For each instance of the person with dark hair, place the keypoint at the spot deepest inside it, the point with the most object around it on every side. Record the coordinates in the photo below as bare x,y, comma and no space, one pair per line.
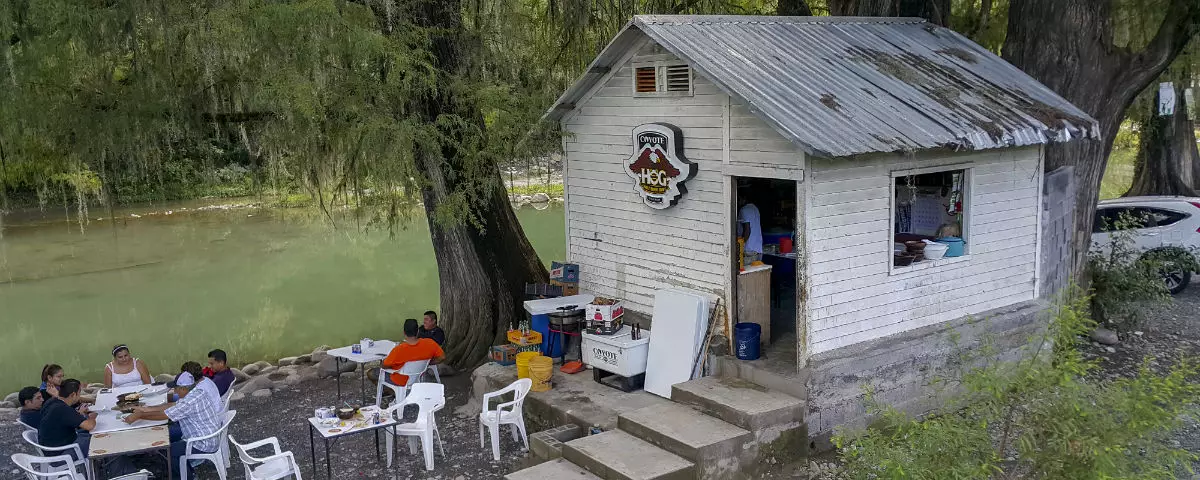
413,348
60,421
197,413
31,399
431,330
125,370
218,370
52,377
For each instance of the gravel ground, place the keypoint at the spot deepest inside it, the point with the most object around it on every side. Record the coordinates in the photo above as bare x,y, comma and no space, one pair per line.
283,415
1168,334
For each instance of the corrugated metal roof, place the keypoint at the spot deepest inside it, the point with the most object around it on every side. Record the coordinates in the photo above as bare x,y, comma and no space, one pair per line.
841,86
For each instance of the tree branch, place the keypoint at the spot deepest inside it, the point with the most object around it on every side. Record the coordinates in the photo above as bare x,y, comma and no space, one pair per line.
1180,24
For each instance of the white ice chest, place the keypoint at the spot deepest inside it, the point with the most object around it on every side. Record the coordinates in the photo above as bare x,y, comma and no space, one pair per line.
617,353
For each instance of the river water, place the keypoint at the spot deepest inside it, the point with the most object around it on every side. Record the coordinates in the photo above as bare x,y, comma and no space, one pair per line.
177,280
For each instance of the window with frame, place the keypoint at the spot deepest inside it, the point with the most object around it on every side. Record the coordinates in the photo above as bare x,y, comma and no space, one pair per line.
930,211
1111,219
662,79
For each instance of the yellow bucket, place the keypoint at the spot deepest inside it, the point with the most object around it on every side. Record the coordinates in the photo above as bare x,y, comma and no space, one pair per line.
540,371
523,359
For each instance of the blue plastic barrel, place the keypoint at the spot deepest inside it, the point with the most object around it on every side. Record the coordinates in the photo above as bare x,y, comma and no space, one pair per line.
541,324
745,340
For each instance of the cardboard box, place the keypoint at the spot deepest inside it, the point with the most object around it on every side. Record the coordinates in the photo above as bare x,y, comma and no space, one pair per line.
604,319
504,354
568,289
564,272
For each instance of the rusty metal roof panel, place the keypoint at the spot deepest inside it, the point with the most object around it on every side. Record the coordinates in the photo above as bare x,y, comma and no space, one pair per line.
841,86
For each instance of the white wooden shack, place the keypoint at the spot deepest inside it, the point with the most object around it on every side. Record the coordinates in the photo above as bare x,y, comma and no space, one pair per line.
885,129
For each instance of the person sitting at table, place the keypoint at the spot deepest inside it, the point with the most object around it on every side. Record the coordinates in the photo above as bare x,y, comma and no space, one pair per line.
431,330
197,413
413,348
31,399
52,377
125,370
219,371
61,422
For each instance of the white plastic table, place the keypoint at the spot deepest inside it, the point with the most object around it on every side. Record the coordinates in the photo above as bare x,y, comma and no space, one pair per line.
105,446
109,420
361,423
375,353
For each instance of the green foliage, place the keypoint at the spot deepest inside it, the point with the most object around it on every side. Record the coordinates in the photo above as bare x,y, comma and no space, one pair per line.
1042,417
1124,279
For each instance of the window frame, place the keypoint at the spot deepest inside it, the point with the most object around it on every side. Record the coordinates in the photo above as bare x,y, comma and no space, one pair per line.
660,79
968,170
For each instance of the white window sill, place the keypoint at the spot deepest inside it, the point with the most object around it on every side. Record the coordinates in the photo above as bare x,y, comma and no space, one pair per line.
927,264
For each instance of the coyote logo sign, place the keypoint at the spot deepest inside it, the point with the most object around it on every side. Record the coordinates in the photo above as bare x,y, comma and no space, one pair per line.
657,166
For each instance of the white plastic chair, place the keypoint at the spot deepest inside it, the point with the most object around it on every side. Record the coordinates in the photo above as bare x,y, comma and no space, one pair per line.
61,467
24,425
139,475
278,465
225,407
31,437
217,458
508,413
437,377
414,370
429,398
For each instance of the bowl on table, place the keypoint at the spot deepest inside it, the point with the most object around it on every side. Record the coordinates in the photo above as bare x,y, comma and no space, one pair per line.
346,413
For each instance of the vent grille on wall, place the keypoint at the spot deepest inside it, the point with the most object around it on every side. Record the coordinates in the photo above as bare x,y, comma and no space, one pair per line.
679,78
646,81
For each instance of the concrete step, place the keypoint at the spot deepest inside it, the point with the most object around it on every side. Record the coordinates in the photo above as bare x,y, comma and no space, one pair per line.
715,446
747,405
555,469
616,455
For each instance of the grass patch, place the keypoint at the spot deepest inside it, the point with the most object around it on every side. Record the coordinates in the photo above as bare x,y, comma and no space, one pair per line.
1118,176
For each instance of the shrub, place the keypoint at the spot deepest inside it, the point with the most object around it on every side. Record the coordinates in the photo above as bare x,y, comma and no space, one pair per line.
1042,417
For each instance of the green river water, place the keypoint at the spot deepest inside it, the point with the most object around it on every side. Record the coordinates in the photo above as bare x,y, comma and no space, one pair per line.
177,280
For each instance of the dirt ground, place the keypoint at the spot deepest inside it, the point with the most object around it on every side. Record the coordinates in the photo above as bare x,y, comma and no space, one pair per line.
283,415
1171,331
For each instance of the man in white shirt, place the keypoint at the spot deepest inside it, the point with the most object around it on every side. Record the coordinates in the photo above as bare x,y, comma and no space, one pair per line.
748,217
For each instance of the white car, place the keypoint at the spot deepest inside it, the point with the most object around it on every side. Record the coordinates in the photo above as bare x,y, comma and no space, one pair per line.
1161,224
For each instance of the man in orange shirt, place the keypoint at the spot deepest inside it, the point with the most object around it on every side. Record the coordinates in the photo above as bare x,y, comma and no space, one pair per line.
412,349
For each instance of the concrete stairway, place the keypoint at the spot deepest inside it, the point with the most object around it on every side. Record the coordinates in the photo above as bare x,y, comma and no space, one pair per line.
715,429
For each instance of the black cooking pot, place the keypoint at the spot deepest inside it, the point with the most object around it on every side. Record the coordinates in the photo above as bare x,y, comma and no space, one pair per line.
568,315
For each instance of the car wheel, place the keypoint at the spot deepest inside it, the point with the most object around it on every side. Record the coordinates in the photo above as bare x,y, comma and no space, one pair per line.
1176,279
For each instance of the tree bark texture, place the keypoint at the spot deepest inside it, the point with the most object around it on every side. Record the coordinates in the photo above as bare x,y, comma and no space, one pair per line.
936,11
1166,145
793,8
1067,45
482,269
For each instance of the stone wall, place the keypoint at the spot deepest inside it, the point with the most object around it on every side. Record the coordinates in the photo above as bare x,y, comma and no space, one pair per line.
1058,227
907,370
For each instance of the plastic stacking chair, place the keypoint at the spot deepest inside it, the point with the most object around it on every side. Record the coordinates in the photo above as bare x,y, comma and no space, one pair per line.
61,467
26,426
278,464
217,458
77,457
139,475
429,398
414,370
508,413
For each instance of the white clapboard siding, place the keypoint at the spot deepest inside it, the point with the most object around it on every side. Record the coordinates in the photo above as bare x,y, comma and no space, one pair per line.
624,248
855,296
753,142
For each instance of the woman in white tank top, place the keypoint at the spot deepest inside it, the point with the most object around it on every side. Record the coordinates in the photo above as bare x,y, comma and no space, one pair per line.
125,370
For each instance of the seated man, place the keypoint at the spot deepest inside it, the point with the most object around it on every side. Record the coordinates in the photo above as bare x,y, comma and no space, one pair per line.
431,330
413,348
198,413
60,421
219,371
31,399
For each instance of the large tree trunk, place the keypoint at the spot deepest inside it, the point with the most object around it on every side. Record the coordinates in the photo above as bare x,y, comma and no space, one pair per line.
1167,145
793,8
482,268
1067,45
936,11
